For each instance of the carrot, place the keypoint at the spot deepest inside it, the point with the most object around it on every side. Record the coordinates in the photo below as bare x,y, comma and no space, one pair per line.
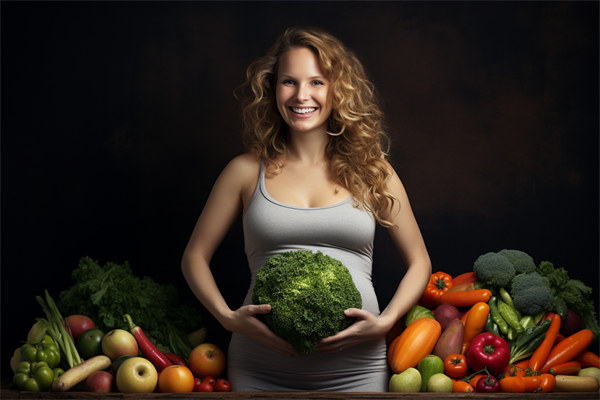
539,356
467,277
568,349
465,298
567,368
588,359
475,322
158,359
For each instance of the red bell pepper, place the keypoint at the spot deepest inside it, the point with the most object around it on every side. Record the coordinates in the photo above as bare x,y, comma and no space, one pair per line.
488,351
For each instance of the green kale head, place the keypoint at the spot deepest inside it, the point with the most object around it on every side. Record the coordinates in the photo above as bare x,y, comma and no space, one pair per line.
308,293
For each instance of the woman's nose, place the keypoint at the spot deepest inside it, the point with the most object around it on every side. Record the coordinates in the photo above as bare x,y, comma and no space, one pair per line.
303,93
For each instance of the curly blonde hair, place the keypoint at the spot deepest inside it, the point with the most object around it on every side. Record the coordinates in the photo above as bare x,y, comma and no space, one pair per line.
358,144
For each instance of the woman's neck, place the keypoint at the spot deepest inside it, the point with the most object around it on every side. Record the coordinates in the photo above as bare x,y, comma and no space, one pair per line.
307,147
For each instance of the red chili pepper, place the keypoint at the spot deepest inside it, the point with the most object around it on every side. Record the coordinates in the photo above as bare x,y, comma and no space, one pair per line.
148,349
488,351
175,359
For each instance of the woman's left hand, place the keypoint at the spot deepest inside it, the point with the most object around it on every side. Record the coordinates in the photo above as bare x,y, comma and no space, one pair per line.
366,327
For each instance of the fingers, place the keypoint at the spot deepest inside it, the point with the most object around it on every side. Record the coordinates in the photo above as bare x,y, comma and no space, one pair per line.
254,309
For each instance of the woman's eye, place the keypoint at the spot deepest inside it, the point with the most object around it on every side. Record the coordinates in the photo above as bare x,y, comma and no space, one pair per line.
288,82
317,83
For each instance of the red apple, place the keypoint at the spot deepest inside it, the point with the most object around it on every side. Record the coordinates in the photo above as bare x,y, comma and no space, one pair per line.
119,342
77,324
100,382
137,375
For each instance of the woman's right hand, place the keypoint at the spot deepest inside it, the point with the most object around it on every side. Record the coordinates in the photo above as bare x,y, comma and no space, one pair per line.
244,321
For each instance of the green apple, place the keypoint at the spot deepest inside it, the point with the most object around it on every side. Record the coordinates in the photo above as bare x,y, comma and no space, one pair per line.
429,366
407,381
440,383
89,343
136,375
590,371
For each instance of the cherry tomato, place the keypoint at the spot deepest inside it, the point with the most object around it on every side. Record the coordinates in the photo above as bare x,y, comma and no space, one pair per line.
222,385
204,387
209,379
197,382
455,365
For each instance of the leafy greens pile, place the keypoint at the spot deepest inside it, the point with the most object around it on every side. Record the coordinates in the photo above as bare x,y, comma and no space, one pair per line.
106,293
575,294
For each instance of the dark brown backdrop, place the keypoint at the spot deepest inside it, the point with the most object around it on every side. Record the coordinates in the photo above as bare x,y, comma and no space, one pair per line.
117,118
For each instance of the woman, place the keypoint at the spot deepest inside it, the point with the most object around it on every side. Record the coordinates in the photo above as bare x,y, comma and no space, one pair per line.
315,177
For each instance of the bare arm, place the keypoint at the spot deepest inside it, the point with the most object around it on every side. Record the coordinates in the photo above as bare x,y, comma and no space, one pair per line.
224,205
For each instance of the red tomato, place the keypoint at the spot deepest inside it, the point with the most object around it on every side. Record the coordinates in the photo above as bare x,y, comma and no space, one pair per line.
209,379
176,379
197,382
455,365
222,385
204,387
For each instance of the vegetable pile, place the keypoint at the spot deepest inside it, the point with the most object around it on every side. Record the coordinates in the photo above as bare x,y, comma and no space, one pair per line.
308,293
106,293
119,354
506,326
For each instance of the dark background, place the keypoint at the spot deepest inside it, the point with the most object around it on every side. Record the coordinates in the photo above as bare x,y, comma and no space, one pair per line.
118,117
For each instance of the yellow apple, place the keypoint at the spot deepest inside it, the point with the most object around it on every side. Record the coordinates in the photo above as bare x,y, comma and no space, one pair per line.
136,375
119,342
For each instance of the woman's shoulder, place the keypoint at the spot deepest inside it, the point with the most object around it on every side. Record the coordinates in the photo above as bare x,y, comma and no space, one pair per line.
243,164
242,171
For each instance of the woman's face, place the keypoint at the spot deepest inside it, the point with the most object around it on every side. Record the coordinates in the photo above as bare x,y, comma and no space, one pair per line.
302,92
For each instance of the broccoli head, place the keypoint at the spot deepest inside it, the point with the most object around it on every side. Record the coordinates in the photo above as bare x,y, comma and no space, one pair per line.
308,293
526,281
534,300
494,269
531,293
522,261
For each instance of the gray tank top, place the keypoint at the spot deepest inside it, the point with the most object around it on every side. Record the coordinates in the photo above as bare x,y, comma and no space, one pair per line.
343,231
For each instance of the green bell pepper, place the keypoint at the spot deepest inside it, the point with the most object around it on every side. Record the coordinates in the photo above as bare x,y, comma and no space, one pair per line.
45,350
33,376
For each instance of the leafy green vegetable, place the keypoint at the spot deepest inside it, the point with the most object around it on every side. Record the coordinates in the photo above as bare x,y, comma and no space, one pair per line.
308,293
576,294
106,293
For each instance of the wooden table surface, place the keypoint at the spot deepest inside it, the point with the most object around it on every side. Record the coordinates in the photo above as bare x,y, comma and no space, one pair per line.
14,394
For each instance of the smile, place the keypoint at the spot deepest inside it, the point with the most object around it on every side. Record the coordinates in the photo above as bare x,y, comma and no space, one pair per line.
303,110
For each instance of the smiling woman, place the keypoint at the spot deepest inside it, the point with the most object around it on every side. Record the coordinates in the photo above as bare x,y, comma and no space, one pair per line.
315,178
302,92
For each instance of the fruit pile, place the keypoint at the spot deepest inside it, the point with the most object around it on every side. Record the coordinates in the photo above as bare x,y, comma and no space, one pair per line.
72,354
450,342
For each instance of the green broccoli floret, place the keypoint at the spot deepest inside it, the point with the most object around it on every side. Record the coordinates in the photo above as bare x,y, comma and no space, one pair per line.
522,261
526,281
494,269
531,293
308,293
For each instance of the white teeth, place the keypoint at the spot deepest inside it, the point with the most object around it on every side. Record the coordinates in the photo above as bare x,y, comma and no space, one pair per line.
303,110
